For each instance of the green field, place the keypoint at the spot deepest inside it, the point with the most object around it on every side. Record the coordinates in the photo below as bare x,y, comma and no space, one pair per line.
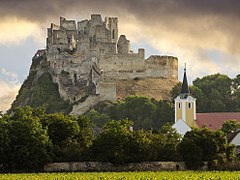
127,175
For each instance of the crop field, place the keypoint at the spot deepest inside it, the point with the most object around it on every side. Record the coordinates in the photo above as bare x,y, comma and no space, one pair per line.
127,175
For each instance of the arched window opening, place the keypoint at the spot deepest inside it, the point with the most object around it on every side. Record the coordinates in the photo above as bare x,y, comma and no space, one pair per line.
113,34
179,105
75,78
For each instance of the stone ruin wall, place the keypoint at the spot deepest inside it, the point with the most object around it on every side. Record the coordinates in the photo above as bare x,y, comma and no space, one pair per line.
75,48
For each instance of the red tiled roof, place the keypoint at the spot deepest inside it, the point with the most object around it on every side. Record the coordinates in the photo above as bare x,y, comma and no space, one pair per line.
214,121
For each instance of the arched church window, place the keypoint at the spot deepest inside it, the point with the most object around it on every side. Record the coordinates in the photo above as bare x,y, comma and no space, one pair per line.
189,105
179,105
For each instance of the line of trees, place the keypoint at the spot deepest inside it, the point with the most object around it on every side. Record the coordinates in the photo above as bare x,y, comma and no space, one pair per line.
30,138
144,112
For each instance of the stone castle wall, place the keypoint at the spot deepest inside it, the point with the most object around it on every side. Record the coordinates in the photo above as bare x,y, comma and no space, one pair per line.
89,56
108,167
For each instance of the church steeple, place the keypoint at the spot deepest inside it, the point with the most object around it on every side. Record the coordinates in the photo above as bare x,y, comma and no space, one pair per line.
185,108
185,89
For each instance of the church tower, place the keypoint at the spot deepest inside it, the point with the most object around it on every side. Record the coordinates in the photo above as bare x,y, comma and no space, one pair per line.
185,105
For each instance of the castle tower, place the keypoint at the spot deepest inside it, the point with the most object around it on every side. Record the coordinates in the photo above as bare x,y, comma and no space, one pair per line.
185,106
123,45
112,24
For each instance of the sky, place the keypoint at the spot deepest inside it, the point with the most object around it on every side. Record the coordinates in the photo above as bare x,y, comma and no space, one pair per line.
203,33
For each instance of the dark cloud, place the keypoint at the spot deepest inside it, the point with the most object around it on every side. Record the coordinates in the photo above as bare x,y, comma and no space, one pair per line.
175,15
197,26
156,9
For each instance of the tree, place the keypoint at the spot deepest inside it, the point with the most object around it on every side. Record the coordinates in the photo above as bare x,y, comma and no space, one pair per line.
191,153
29,143
203,145
230,126
142,147
4,139
63,131
98,119
236,92
214,93
61,127
171,141
164,113
144,112
85,136
112,144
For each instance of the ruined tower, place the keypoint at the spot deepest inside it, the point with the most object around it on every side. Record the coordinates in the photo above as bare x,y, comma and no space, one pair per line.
111,23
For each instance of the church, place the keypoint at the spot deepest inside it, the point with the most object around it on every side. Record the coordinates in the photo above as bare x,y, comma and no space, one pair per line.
187,118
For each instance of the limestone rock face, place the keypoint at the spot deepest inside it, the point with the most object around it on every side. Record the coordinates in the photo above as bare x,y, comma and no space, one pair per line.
90,63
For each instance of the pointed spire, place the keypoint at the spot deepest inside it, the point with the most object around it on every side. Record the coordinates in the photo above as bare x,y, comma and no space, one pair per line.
185,89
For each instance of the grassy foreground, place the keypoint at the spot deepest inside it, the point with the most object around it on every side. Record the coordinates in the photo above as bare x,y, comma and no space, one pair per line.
127,175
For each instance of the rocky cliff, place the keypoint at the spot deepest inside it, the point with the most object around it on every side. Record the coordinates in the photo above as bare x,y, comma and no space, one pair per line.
86,62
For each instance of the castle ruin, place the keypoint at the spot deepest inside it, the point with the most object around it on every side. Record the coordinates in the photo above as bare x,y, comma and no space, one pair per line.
88,60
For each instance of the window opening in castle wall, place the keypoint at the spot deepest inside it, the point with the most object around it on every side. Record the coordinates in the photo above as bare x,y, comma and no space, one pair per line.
113,33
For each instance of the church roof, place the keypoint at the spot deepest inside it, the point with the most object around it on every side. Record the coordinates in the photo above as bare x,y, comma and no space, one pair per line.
215,120
181,127
185,89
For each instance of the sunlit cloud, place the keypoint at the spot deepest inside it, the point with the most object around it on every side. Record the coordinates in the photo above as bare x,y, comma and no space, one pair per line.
7,76
14,31
7,95
9,86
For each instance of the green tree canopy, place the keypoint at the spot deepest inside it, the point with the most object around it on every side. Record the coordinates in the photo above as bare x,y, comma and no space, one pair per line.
4,138
201,145
69,134
98,119
230,126
137,108
112,143
28,139
144,112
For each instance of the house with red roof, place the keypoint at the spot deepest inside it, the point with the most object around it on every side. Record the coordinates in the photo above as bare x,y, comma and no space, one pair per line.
215,120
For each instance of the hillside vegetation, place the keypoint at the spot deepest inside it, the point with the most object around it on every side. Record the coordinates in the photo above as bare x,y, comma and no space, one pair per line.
43,92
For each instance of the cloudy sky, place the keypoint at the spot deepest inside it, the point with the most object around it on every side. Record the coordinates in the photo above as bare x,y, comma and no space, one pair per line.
203,33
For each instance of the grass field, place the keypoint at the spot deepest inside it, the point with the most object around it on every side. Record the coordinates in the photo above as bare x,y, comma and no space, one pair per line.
127,175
